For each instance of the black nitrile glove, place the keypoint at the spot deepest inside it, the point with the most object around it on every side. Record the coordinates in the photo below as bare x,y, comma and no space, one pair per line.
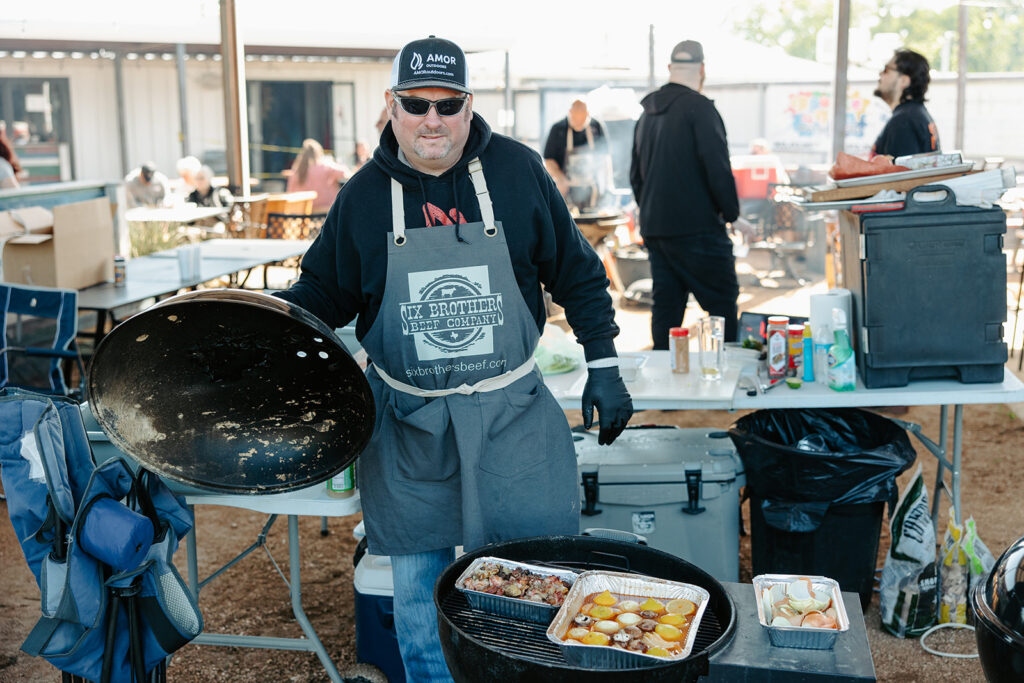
606,391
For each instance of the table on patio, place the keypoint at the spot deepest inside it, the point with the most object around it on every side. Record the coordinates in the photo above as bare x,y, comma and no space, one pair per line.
158,275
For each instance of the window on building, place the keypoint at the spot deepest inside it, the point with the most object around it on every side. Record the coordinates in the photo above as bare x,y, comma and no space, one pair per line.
35,115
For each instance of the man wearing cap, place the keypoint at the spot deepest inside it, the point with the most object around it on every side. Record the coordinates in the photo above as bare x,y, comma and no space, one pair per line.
438,248
577,157
146,186
902,84
683,184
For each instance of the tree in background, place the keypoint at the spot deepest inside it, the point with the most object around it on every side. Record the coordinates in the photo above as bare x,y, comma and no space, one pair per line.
993,29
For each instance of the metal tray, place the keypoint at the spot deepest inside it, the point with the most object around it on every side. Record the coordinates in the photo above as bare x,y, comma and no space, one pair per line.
604,656
804,637
517,608
903,175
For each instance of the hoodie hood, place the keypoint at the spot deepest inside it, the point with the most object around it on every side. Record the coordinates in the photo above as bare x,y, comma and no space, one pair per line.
386,154
661,99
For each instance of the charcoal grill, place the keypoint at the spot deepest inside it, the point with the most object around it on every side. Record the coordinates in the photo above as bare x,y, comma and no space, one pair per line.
481,646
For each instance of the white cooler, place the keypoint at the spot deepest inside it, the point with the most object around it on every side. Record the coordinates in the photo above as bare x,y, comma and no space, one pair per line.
679,488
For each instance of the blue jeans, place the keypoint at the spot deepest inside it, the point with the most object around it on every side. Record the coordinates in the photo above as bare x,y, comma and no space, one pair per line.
415,615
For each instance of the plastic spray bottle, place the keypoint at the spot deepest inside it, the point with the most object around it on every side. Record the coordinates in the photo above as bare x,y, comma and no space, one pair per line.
822,341
842,363
808,353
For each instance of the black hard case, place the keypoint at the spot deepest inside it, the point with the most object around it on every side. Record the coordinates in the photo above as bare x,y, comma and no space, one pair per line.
929,291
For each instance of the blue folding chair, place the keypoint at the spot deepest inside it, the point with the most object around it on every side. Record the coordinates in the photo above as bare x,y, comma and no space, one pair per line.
39,326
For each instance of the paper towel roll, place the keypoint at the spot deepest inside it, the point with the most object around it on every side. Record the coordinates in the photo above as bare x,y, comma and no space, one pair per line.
822,304
115,535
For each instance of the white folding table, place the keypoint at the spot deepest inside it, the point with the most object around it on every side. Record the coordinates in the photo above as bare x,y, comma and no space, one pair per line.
308,501
657,388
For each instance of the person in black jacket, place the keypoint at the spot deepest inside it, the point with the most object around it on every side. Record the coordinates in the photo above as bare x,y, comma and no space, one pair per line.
902,84
439,247
683,183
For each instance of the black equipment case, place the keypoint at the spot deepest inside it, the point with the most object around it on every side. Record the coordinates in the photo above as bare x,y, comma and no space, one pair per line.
929,290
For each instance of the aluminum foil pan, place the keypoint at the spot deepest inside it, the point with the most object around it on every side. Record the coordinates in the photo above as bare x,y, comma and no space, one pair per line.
803,637
604,656
515,608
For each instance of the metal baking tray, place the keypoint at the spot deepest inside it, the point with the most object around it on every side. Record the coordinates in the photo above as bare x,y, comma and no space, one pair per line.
903,175
607,657
804,637
505,606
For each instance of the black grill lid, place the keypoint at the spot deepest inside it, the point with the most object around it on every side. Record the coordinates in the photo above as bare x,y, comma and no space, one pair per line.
231,391
1004,589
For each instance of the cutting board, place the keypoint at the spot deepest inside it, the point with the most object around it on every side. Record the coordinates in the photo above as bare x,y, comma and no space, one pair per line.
832,194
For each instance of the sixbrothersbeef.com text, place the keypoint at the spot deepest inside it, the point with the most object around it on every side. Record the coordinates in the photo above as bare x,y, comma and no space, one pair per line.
457,366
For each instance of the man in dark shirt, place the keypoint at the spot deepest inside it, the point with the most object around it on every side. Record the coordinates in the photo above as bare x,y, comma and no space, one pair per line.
577,157
682,181
902,84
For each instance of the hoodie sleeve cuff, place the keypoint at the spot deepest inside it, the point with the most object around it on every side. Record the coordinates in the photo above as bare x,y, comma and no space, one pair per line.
599,348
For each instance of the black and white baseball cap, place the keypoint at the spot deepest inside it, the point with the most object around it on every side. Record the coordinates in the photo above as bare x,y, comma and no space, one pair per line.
430,63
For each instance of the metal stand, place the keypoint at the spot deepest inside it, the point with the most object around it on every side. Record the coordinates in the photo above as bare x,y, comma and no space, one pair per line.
311,642
939,451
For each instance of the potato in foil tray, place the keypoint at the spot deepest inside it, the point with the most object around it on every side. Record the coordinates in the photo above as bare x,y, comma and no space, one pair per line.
614,620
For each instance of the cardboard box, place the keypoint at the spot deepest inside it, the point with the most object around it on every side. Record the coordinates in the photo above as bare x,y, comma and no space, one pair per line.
74,251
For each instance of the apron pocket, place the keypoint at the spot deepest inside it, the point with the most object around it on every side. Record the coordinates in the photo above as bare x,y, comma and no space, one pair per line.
516,418
421,443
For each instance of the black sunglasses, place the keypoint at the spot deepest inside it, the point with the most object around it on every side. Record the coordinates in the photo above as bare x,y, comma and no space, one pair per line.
418,106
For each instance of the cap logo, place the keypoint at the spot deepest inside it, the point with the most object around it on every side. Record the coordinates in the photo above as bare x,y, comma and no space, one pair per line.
443,59
416,62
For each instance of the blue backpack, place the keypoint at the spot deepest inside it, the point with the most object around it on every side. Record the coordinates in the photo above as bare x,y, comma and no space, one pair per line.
100,621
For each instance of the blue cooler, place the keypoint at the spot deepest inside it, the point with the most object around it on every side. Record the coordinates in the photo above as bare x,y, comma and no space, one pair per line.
678,488
376,642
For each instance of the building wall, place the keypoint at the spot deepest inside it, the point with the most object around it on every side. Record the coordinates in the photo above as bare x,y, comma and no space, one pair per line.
152,109
793,117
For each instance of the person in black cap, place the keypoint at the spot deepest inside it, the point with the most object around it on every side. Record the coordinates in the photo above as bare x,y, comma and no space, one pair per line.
682,181
439,248
902,84
146,186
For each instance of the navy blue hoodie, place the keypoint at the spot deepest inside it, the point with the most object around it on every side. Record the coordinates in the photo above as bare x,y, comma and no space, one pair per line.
344,271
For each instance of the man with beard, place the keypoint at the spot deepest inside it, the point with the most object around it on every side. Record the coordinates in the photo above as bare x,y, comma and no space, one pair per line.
902,84
439,247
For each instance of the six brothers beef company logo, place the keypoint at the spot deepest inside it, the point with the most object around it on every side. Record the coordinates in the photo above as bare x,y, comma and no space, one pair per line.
452,313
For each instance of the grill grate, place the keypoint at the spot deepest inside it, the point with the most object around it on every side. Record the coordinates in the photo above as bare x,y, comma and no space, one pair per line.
527,640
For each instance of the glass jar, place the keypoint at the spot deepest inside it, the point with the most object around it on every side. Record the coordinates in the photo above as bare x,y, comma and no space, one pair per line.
679,349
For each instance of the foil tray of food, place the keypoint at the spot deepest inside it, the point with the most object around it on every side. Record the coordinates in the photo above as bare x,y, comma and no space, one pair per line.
614,620
800,611
515,589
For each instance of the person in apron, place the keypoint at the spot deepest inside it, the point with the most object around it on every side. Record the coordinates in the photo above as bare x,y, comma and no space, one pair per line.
576,154
440,245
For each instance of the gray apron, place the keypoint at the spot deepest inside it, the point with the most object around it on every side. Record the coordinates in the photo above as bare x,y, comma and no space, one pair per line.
588,171
469,446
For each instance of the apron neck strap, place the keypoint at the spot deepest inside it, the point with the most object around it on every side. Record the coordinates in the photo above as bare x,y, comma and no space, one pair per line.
476,173
568,136
397,212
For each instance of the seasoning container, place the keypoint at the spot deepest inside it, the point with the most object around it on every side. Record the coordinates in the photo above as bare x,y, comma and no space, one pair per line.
778,346
795,336
343,484
679,349
119,271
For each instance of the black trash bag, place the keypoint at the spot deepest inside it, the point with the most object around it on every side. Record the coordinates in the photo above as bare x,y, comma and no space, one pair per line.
863,454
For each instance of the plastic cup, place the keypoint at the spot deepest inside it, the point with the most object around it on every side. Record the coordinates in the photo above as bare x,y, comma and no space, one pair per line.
711,333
